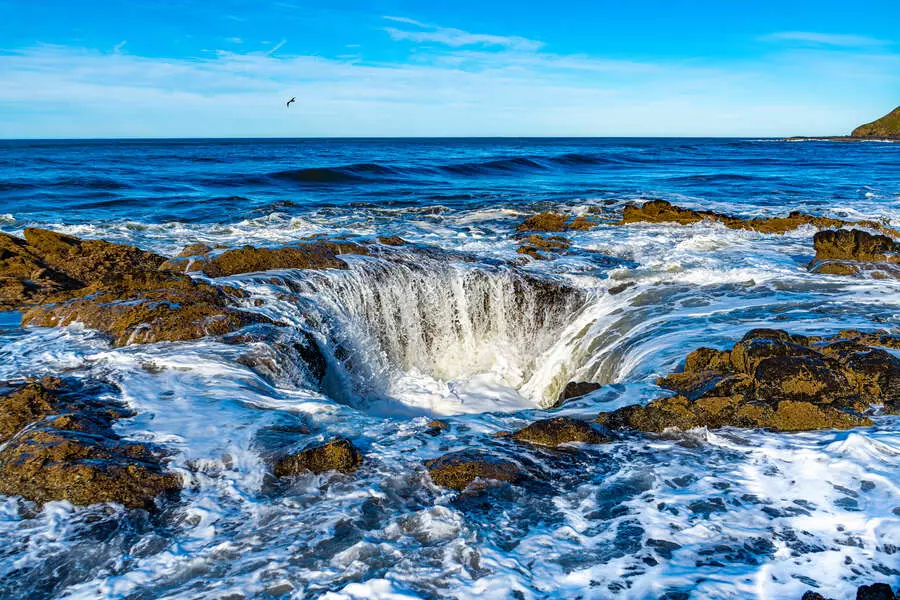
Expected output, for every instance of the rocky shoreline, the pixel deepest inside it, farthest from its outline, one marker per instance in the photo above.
(57, 440)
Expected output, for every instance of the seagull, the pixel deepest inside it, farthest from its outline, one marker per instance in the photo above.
(289, 102)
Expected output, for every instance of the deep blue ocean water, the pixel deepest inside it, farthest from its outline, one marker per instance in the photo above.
(702, 514)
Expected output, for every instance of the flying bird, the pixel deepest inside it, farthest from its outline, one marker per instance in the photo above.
(289, 102)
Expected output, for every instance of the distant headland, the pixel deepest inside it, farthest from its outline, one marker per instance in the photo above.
(887, 128)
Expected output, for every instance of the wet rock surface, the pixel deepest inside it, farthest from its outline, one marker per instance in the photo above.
(576, 389)
(852, 251)
(458, 470)
(772, 379)
(66, 449)
(558, 431)
(120, 290)
(660, 211)
(555, 223)
(308, 255)
(541, 247)
(336, 455)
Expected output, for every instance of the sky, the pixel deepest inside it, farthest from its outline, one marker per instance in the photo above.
(398, 68)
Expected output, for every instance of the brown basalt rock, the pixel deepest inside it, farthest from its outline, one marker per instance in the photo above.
(458, 470)
(394, 240)
(48, 464)
(851, 252)
(436, 427)
(336, 455)
(560, 430)
(660, 211)
(75, 456)
(707, 359)
(140, 317)
(310, 255)
(555, 223)
(772, 379)
(28, 403)
(89, 261)
(541, 247)
(194, 250)
(576, 389)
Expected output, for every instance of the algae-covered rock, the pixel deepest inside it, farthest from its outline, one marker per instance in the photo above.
(336, 455)
(60, 445)
(541, 247)
(560, 430)
(660, 211)
(178, 310)
(555, 223)
(772, 379)
(309, 255)
(458, 470)
(853, 251)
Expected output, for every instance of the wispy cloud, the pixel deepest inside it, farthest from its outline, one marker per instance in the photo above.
(456, 38)
(825, 39)
(234, 40)
(476, 88)
(276, 47)
(118, 47)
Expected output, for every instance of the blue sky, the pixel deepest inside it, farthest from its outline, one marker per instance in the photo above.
(186, 68)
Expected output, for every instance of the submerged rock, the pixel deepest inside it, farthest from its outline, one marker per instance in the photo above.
(458, 470)
(558, 431)
(660, 211)
(75, 455)
(336, 455)
(849, 252)
(771, 379)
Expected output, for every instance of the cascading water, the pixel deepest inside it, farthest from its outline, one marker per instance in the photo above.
(387, 320)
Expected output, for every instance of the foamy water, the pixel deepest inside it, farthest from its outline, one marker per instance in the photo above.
(472, 339)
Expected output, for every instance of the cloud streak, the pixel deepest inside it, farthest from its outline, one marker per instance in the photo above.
(471, 88)
(455, 38)
(825, 39)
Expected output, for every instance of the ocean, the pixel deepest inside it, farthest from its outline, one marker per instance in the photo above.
(463, 332)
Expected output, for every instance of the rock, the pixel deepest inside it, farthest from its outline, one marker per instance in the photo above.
(436, 427)
(849, 252)
(394, 240)
(555, 223)
(75, 456)
(560, 430)
(337, 455)
(660, 211)
(876, 591)
(117, 289)
(278, 352)
(179, 309)
(458, 470)
(29, 403)
(308, 255)
(194, 250)
(772, 379)
(541, 247)
(887, 127)
(576, 389)
(813, 596)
